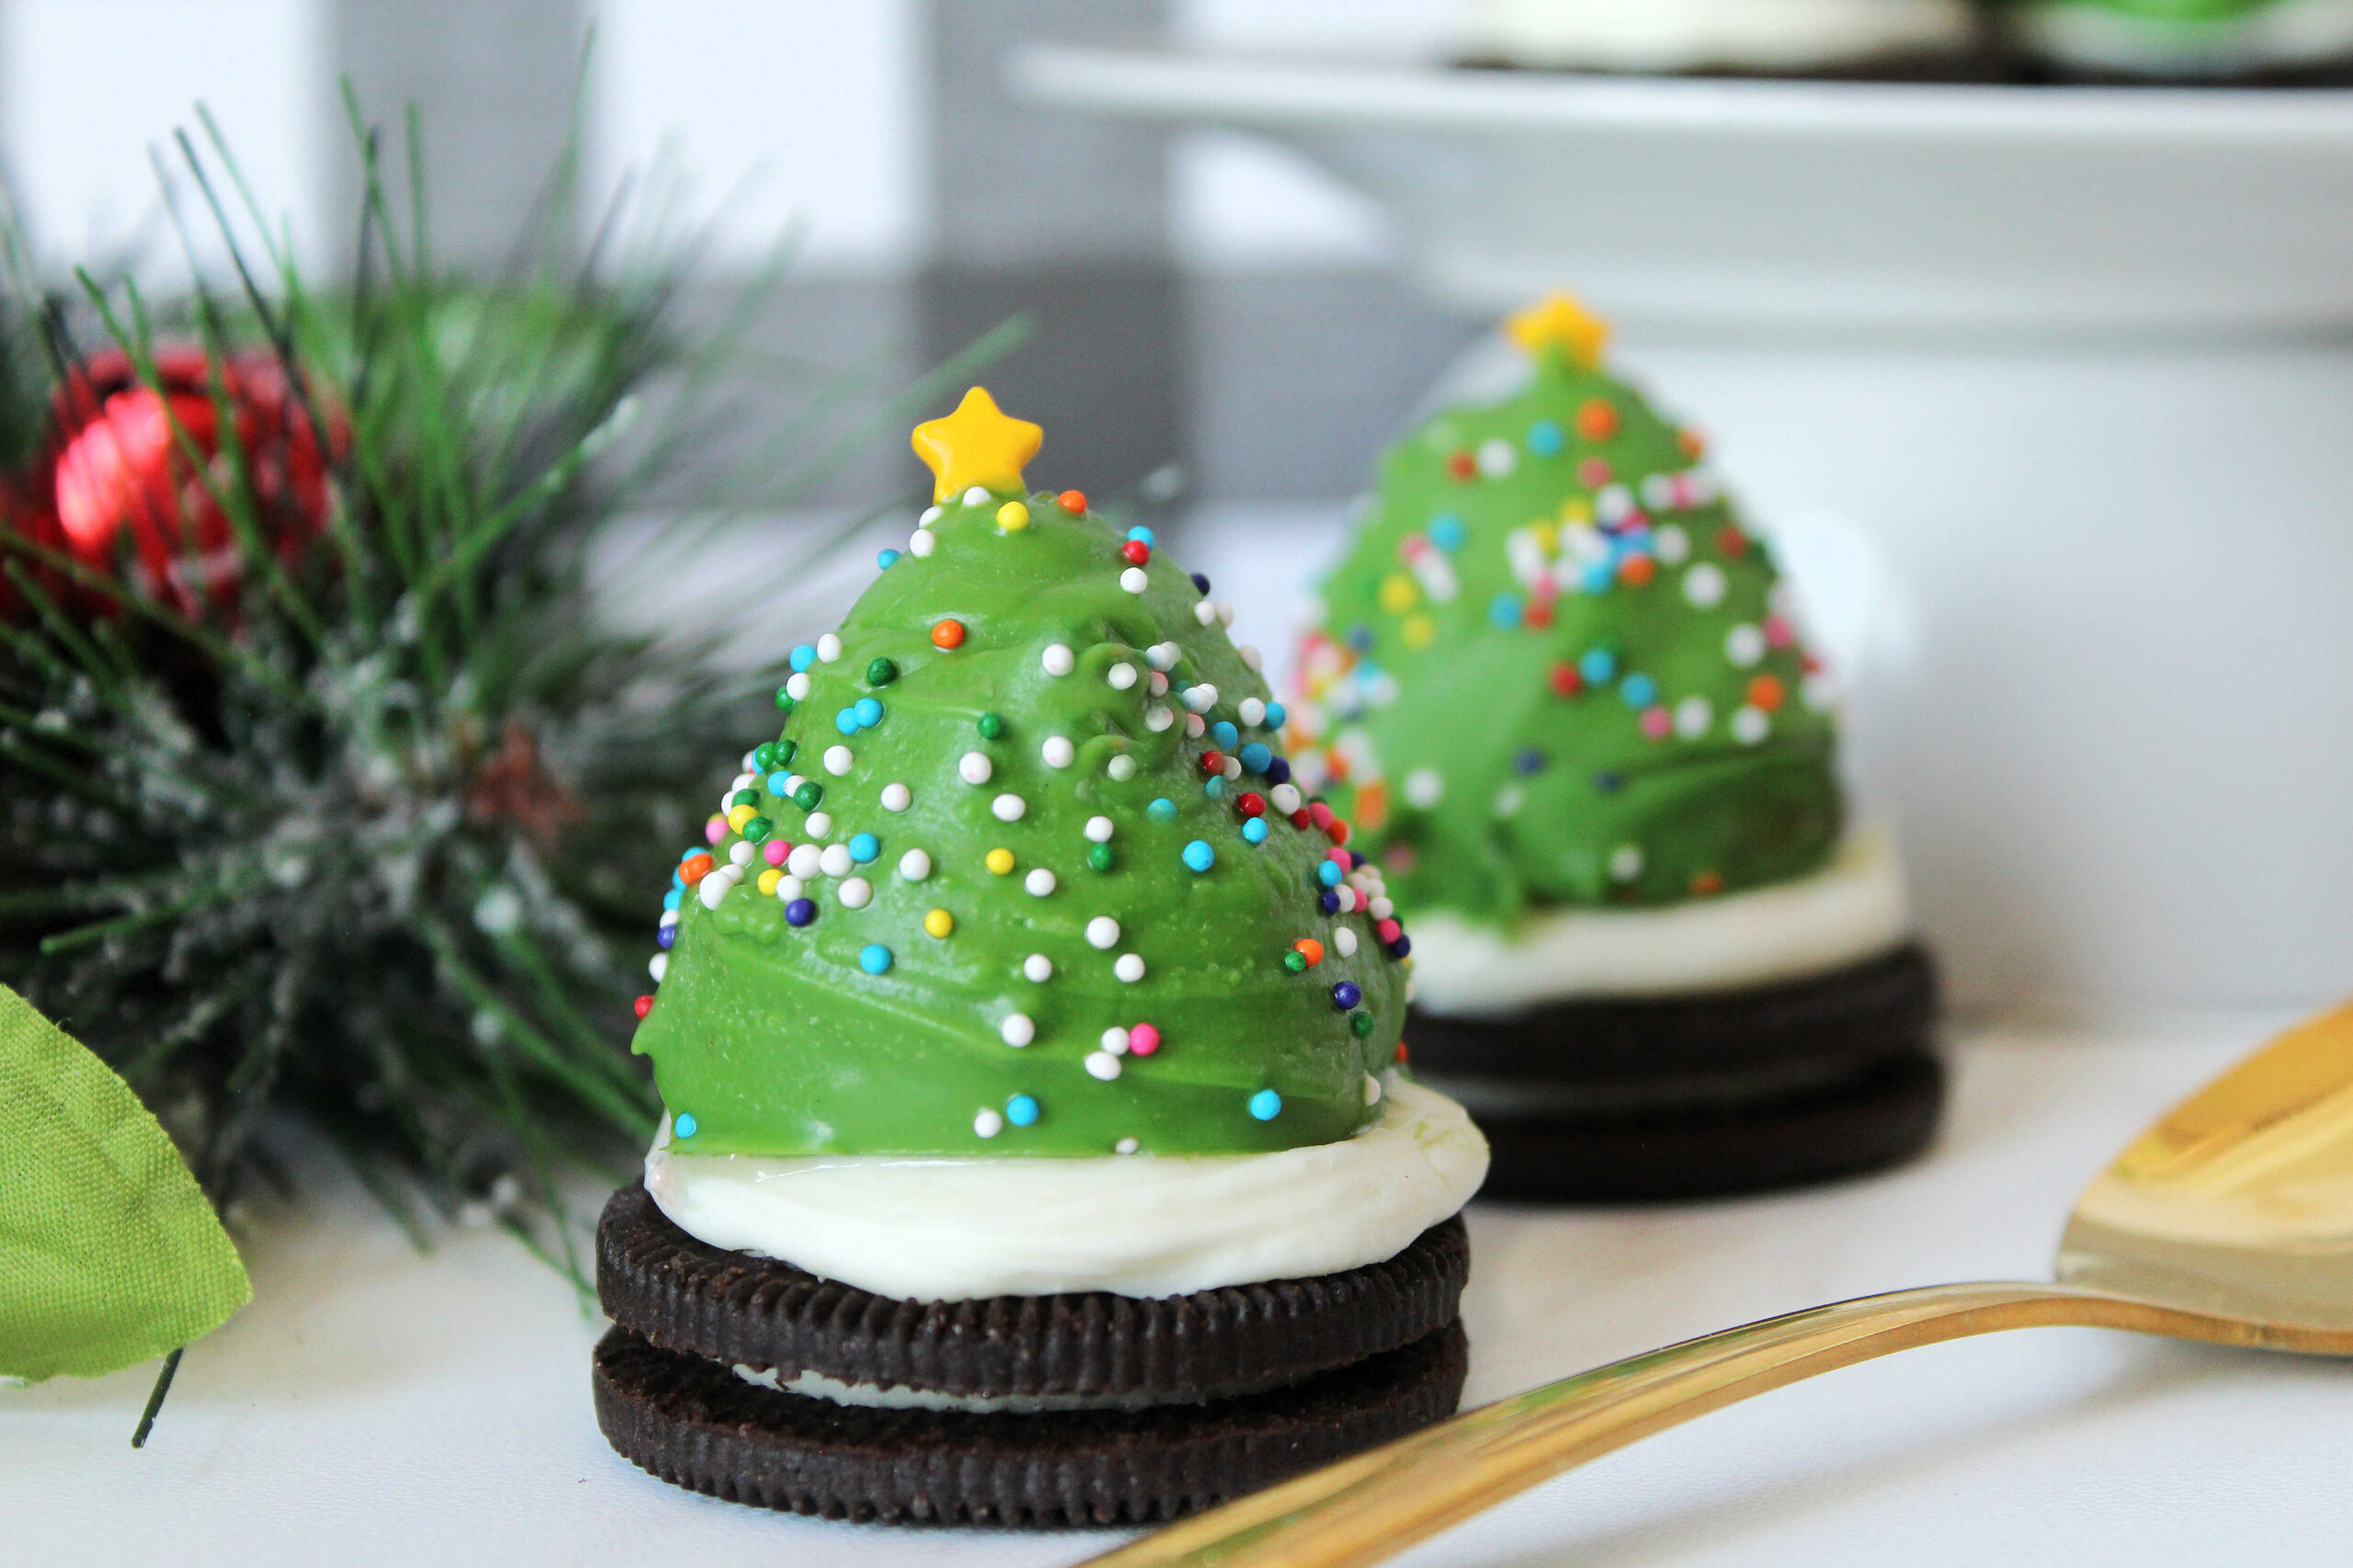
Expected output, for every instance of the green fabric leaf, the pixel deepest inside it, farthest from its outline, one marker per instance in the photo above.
(109, 1253)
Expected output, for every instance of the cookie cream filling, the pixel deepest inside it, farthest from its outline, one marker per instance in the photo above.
(1686, 35)
(874, 1396)
(945, 1229)
(1854, 908)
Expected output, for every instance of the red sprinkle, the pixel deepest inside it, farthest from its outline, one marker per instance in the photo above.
(1135, 552)
(1732, 541)
(1338, 831)
(1463, 465)
(1212, 762)
(1252, 804)
(1388, 930)
(1540, 614)
(1299, 817)
(1073, 500)
(1565, 680)
(644, 1005)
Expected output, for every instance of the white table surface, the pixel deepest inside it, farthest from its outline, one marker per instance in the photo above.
(379, 1406)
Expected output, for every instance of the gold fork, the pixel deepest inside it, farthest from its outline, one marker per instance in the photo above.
(2230, 1220)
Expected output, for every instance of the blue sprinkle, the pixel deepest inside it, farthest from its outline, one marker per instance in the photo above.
(868, 711)
(1226, 736)
(1215, 788)
(887, 560)
(803, 657)
(678, 878)
(1597, 577)
(1256, 754)
(1278, 772)
(667, 935)
(777, 784)
(1253, 830)
(1447, 531)
(1329, 901)
(1143, 536)
(1530, 760)
(671, 900)
(1328, 873)
(1201, 584)
(1400, 946)
(847, 722)
(1640, 691)
(1162, 809)
(1021, 1110)
(1608, 783)
(799, 912)
(1503, 610)
(1275, 715)
(1361, 638)
(874, 959)
(863, 847)
(1597, 665)
(1200, 855)
(1265, 1105)
(684, 1124)
(1347, 995)
(1546, 438)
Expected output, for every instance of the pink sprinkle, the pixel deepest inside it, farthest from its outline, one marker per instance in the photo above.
(775, 850)
(1387, 930)
(1657, 723)
(1594, 472)
(715, 829)
(1143, 1040)
(1340, 857)
(1778, 633)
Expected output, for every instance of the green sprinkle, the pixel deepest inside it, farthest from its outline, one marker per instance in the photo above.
(809, 794)
(882, 672)
(1295, 961)
(784, 703)
(1360, 1024)
(745, 798)
(756, 831)
(764, 756)
(784, 750)
(991, 726)
(1100, 856)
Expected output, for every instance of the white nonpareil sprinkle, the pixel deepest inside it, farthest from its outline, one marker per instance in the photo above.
(1348, 897)
(1115, 1041)
(921, 543)
(790, 888)
(1195, 726)
(897, 797)
(1508, 800)
(743, 782)
(1371, 1089)
(1200, 698)
(1057, 751)
(818, 823)
(1252, 657)
(1058, 659)
(1206, 613)
(1038, 969)
(670, 918)
(1231, 767)
(1039, 883)
(1157, 684)
(1671, 544)
(797, 687)
(1380, 908)
(1135, 580)
(1424, 787)
(1285, 797)
(792, 781)
(837, 760)
(974, 767)
(1120, 677)
(1008, 808)
(1692, 716)
(1018, 1029)
(1157, 717)
(1130, 968)
(977, 496)
(1161, 655)
(803, 860)
(1098, 830)
(1102, 932)
(988, 1124)
(1749, 725)
(1344, 941)
(1103, 1065)
(1225, 615)
(930, 515)
(1126, 1146)
(714, 887)
(1497, 456)
(1120, 768)
(661, 962)
(829, 648)
(1253, 711)
(1745, 644)
(835, 860)
(1626, 862)
(856, 893)
(740, 852)
(914, 865)
(1704, 584)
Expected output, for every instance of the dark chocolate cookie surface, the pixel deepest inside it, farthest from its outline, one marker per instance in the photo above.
(696, 1424)
(686, 1295)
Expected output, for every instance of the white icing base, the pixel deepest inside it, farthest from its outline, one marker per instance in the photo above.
(1687, 35)
(951, 1229)
(874, 1396)
(1851, 909)
(2287, 33)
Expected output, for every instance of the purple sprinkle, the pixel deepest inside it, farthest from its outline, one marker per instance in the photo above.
(1278, 772)
(1346, 995)
(1201, 582)
(799, 912)
(1331, 902)
(1400, 946)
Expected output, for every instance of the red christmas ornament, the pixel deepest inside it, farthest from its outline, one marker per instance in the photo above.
(114, 465)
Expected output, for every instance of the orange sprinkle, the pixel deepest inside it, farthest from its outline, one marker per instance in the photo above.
(1693, 443)
(946, 633)
(1308, 948)
(1539, 615)
(1732, 541)
(1765, 692)
(695, 868)
(1073, 500)
(1463, 465)
(1400, 1050)
(1637, 570)
(1707, 882)
(1597, 419)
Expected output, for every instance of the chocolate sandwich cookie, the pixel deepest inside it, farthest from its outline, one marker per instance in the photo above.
(1078, 1409)
(1689, 1097)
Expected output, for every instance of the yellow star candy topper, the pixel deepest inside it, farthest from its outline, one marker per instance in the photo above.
(1561, 322)
(978, 444)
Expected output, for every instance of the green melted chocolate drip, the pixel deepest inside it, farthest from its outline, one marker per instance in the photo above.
(1554, 669)
(777, 1039)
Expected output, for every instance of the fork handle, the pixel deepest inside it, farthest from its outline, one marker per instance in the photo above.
(1369, 1507)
